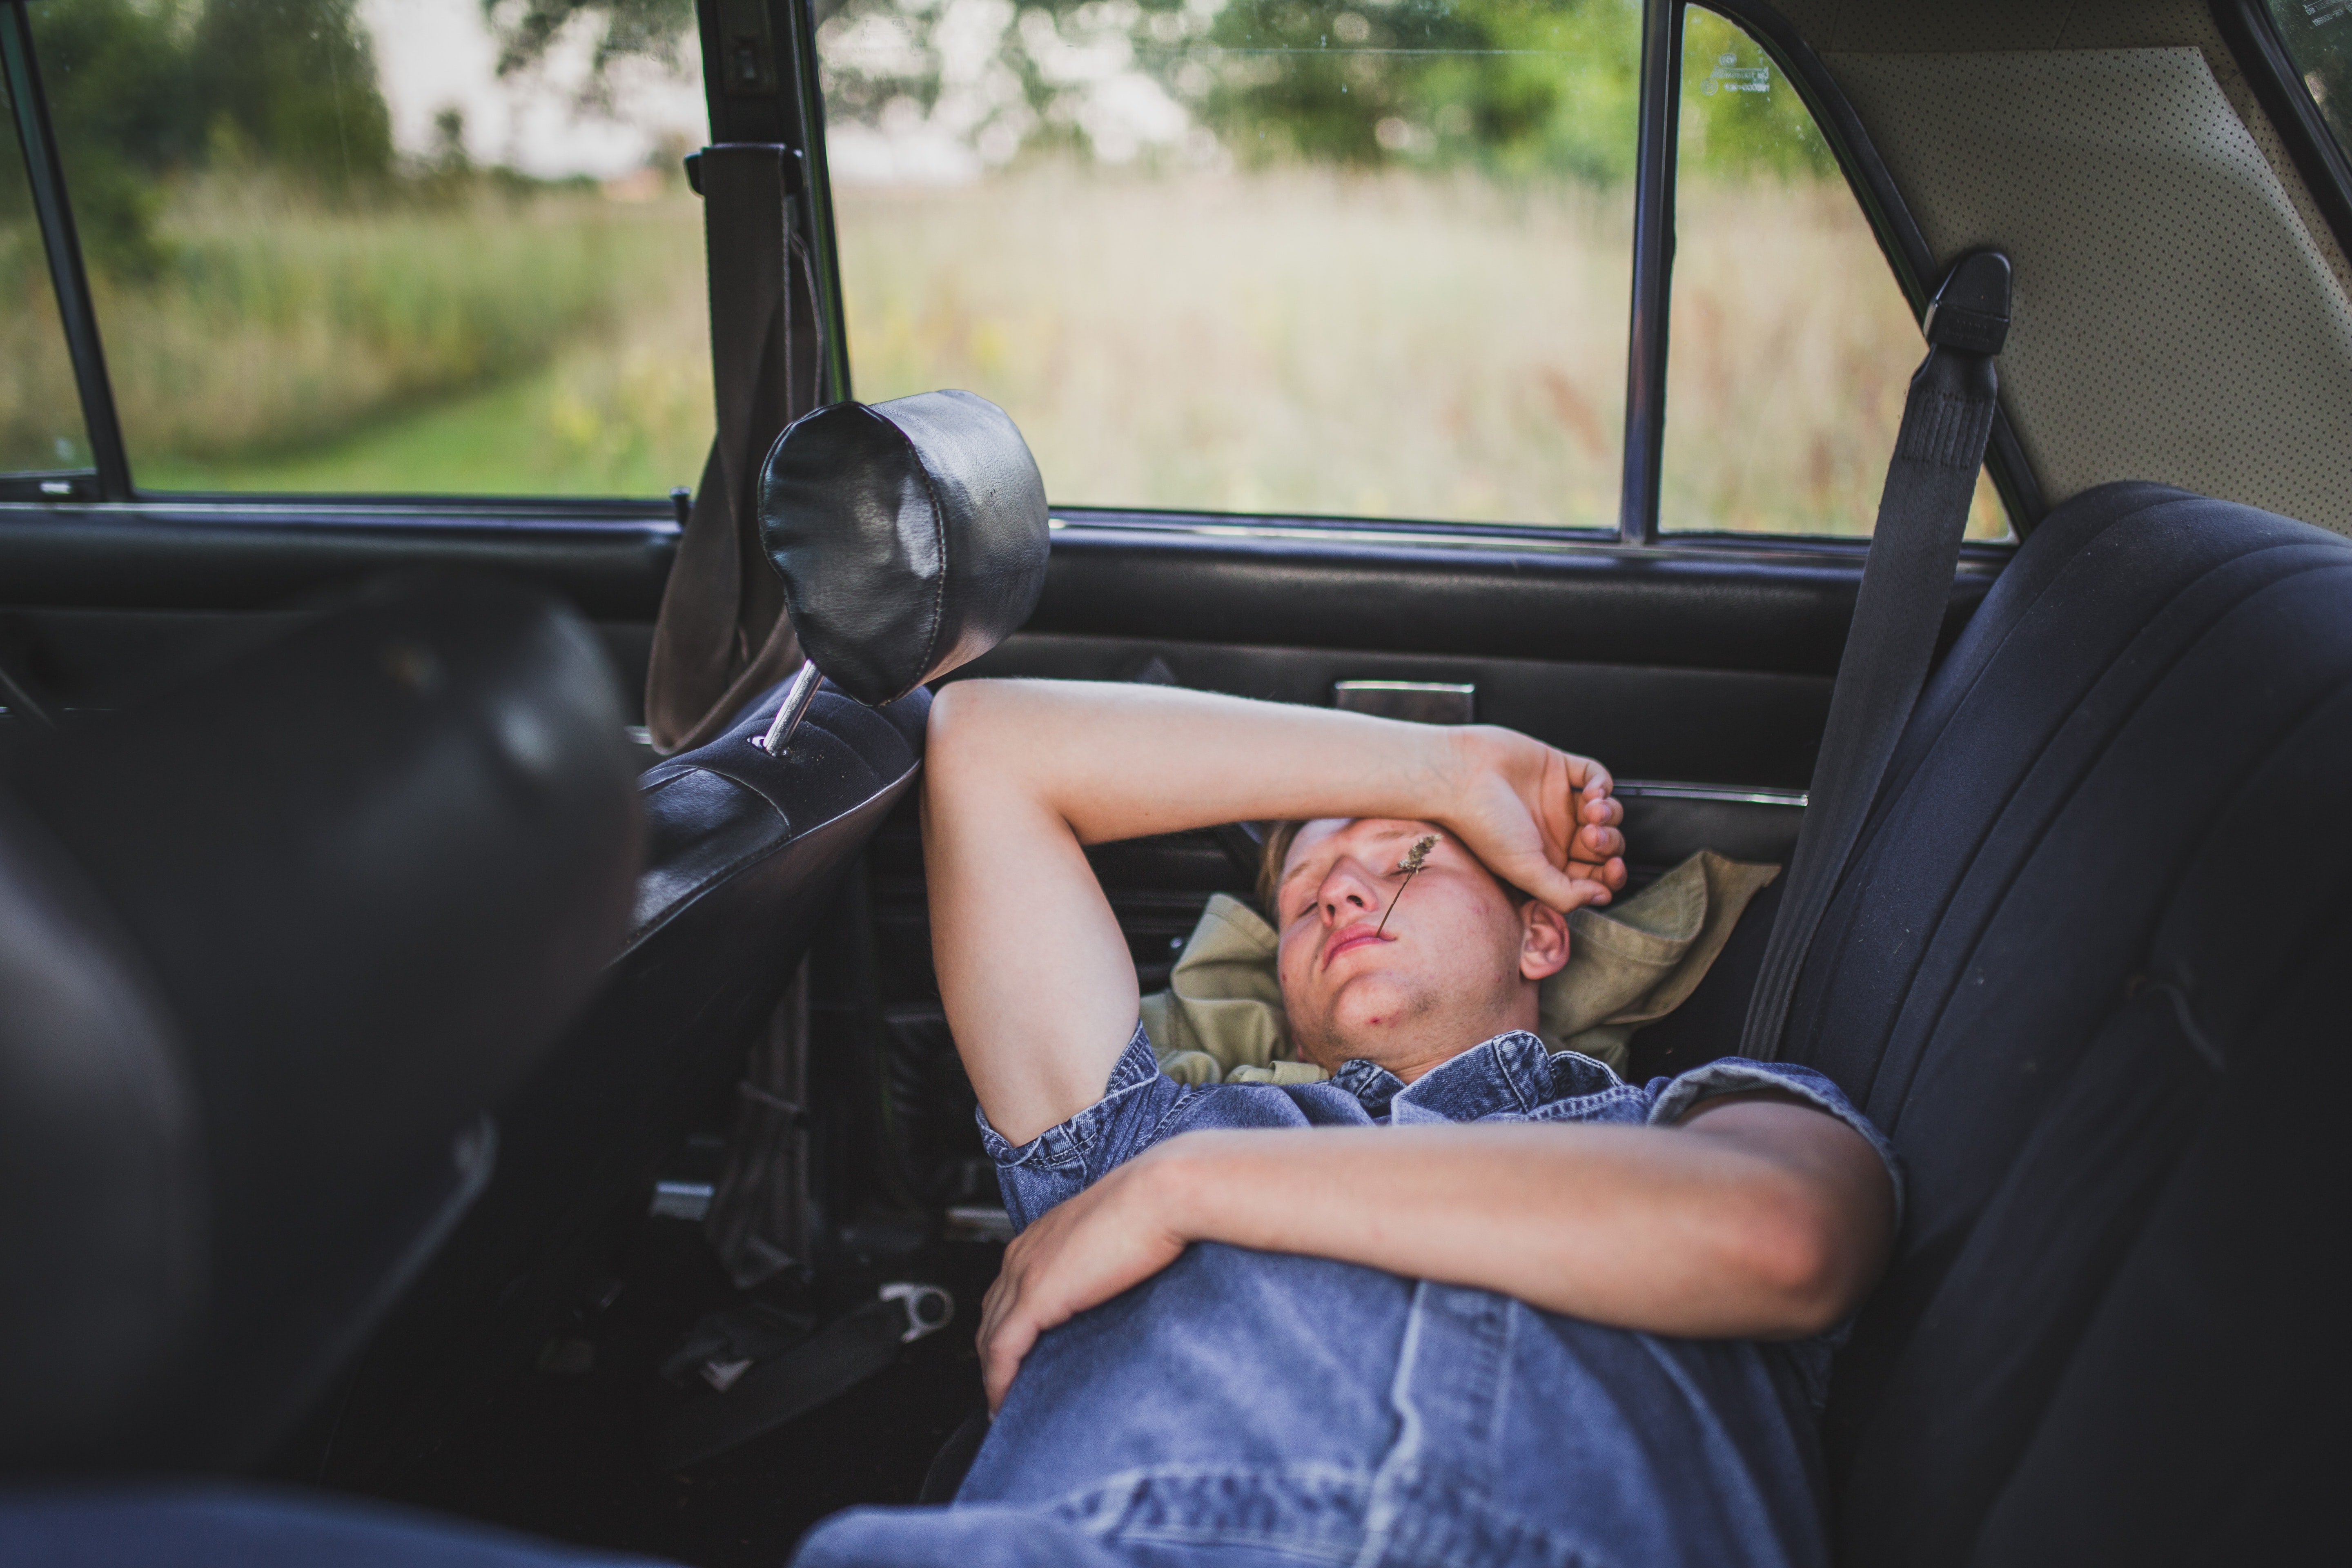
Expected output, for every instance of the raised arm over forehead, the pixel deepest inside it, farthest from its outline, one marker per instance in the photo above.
(1036, 976)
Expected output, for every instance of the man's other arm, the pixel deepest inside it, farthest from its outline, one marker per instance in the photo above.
(1021, 775)
(1755, 1218)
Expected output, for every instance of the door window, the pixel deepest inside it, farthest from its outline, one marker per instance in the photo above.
(41, 428)
(1789, 345)
(389, 245)
(2318, 38)
(1308, 256)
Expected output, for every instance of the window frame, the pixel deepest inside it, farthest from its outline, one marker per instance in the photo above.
(1899, 237)
(779, 101)
(2254, 40)
(108, 477)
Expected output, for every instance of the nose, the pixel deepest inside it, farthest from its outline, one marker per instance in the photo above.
(1346, 891)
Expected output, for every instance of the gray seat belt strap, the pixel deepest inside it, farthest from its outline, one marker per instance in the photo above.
(1907, 582)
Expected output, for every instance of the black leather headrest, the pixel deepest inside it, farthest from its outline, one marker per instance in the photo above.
(910, 535)
(270, 945)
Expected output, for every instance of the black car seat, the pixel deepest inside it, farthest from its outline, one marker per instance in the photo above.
(2090, 967)
(912, 536)
(270, 945)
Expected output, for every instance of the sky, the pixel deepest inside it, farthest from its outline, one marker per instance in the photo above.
(432, 55)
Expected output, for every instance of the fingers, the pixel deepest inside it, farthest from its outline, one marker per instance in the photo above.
(1566, 890)
(1595, 852)
(1593, 845)
(1006, 1333)
(1001, 1357)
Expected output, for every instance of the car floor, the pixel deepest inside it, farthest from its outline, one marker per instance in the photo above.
(563, 1449)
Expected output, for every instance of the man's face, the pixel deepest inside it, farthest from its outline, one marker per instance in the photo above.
(1456, 963)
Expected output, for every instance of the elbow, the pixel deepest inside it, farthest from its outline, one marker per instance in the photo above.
(1806, 1265)
(960, 724)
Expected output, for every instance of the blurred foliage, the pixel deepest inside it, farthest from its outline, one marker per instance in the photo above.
(1740, 116)
(652, 30)
(141, 91)
(2318, 38)
(1519, 86)
(1511, 88)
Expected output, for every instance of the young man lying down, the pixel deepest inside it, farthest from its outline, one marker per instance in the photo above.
(1465, 1302)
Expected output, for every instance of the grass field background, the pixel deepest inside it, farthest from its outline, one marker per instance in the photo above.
(1400, 344)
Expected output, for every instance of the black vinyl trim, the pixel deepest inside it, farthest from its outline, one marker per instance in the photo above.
(47, 177)
(785, 109)
(1899, 237)
(2254, 43)
(1653, 260)
(195, 556)
(808, 106)
(1770, 605)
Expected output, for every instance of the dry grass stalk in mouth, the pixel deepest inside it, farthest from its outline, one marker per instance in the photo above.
(1408, 868)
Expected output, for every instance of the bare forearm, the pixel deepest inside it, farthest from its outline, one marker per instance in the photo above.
(1650, 1229)
(1120, 762)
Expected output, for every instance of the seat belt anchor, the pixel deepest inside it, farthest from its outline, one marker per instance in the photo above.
(929, 1307)
(1971, 310)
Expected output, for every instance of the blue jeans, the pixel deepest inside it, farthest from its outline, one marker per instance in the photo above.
(216, 1526)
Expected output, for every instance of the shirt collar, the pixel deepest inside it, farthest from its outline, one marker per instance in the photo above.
(1511, 1072)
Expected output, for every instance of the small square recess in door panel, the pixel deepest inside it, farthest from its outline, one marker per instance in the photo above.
(1422, 701)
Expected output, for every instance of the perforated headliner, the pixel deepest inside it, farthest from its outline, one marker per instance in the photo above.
(2176, 319)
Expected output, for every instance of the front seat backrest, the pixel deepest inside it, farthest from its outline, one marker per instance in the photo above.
(2111, 857)
(911, 536)
(277, 939)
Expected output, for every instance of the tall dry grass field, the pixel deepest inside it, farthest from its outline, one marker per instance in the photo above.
(40, 409)
(1394, 345)
(1788, 354)
(285, 335)
(551, 342)
(1295, 341)
(1292, 341)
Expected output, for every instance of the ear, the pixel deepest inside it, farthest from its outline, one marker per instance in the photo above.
(1543, 941)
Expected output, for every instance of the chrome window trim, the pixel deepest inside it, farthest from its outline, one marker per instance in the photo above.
(1724, 795)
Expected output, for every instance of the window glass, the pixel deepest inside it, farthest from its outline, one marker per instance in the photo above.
(1366, 258)
(2318, 38)
(40, 410)
(1789, 346)
(390, 244)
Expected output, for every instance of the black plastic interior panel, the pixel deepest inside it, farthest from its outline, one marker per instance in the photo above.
(1728, 726)
(1777, 605)
(610, 560)
(85, 660)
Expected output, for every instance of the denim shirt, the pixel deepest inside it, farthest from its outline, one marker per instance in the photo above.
(1262, 1407)
(1511, 1077)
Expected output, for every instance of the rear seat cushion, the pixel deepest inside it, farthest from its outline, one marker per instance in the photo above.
(2112, 839)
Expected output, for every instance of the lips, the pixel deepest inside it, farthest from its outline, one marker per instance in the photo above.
(1348, 939)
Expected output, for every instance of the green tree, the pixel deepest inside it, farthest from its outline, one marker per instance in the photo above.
(1740, 115)
(297, 81)
(650, 28)
(144, 91)
(1520, 87)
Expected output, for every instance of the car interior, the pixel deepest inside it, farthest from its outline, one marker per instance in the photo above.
(467, 1035)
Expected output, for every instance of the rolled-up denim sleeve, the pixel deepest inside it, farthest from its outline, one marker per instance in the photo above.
(1671, 1100)
(1065, 1160)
